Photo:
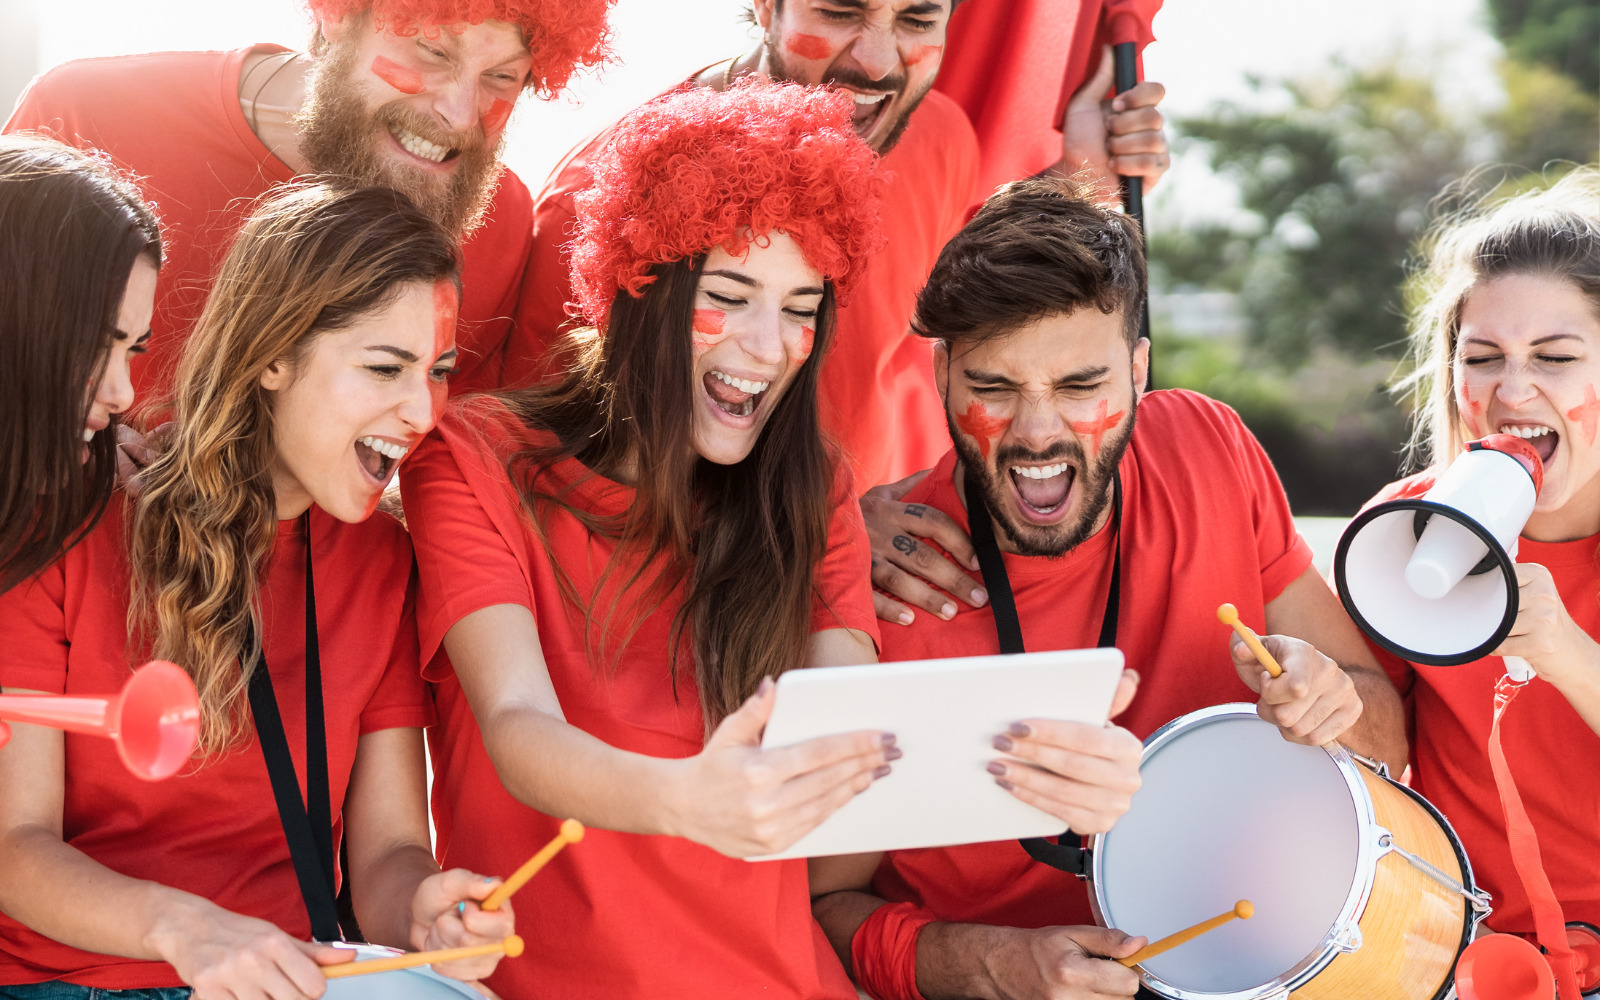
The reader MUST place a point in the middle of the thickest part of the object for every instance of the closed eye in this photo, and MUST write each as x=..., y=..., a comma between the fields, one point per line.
x=385, y=371
x=724, y=300
x=441, y=373
x=802, y=313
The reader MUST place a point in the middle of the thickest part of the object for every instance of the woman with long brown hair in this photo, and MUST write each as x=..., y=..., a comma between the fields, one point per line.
x=617, y=564
x=79, y=251
x=253, y=558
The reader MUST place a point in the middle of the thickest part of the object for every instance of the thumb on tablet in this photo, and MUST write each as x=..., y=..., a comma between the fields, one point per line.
x=743, y=727
x=1127, y=687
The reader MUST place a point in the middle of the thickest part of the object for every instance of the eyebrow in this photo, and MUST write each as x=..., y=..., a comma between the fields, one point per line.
x=1532, y=343
x=119, y=334
x=1078, y=377
x=749, y=282
x=926, y=7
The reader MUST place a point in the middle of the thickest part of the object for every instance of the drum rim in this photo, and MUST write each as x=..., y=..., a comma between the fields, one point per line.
x=1367, y=853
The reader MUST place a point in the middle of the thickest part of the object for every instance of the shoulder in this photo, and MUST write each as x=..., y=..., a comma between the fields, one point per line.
x=943, y=120
x=1185, y=437
x=512, y=201
x=90, y=78
x=1178, y=409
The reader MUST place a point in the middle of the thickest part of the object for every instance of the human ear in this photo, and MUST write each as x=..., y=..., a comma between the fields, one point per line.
x=276, y=377
x=763, y=11
x=334, y=30
x=1141, y=367
x=941, y=369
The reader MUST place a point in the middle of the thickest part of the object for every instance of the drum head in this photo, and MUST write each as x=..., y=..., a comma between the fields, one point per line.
x=1228, y=811
x=421, y=983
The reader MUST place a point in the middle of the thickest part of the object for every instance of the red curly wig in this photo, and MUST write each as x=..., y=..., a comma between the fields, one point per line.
x=698, y=169
x=561, y=34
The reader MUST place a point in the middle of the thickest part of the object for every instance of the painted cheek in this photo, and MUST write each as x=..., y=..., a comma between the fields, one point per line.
x=808, y=46
x=978, y=424
x=1096, y=428
x=1588, y=413
x=445, y=309
x=1471, y=411
x=808, y=336
x=495, y=118
x=708, y=324
x=401, y=78
x=922, y=53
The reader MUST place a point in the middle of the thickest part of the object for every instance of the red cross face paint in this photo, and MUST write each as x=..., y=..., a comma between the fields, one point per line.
x=922, y=53
x=808, y=46
x=1471, y=411
x=1588, y=413
x=977, y=423
x=402, y=78
x=708, y=324
x=1096, y=428
x=495, y=118
x=446, y=304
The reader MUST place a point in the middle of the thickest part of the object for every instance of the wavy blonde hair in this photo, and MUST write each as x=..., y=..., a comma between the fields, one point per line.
x=310, y=258
x=1552, y=232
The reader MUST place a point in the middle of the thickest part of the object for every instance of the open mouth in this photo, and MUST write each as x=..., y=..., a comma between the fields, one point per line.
x=736, y=397
x=869, y=110
x=379, y=458
x=1042, y=490
x=1543, y=439
x=421, y=148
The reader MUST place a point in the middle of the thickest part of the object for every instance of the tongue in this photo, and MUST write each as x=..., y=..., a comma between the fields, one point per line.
x=1043, y=494
x=724, y=393
x=370, y=460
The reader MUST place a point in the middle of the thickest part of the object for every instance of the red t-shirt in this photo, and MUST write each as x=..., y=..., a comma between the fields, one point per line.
x=1553, y=754
x=174, y=119
x=877, y=392
x=211, y=830
x=1204, y=521
x=619, y=914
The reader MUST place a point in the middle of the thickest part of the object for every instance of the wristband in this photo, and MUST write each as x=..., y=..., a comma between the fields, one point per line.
x=883, y=951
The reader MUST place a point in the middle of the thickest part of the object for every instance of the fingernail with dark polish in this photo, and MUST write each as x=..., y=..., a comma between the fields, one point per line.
x=1003, y=743
x=881, y=770
x=887, y=739
x=893, y=753
x=1003, y=783
x=996, y=768
x=1020, y=729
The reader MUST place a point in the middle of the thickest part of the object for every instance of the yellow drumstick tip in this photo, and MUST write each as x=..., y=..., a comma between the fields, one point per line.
x=1243, y=909
x=513, y=945
x=1228, y=614
x=571, y=831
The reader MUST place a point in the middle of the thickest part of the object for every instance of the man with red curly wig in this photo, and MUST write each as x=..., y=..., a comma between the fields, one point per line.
x=408, y=94
x=878, y=394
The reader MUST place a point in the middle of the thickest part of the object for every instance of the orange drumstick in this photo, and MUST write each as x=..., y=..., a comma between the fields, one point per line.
x=1242, y=909
x=1229, y=615
x=512, y=946
x=571, y=833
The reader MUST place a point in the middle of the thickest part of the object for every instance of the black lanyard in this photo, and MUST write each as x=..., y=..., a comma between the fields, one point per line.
x=307, y=826
x=1068, y=854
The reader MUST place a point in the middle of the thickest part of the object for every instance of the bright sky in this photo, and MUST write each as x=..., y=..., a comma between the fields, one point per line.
x=1205, y=50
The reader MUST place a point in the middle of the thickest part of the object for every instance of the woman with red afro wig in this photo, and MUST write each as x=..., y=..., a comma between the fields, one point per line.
x=560, y=34
x=619, y=562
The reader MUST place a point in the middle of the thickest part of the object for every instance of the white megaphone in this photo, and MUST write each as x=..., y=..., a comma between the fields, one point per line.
x=1433, y=579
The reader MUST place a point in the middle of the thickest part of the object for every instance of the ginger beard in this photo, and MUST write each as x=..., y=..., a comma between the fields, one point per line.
x=1086, y=484
x=340, y=134
x=865, y=117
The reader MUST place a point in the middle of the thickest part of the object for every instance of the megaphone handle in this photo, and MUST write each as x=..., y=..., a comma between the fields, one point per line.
x=1519, y=669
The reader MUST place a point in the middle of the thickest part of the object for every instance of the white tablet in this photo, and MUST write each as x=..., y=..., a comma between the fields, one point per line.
x=944, y=714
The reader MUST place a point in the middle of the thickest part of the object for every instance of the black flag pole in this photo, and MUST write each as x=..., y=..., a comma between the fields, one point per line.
x=1125, y=73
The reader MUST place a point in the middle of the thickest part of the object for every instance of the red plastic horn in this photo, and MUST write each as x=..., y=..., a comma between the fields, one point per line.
x=154, y=720
x=1584, y=940
x=1503, y=967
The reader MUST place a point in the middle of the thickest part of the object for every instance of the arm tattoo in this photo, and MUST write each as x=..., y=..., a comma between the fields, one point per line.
x=916, y=509
x=905, y=544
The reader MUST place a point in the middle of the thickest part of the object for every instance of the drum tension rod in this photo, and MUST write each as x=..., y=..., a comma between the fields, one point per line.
x=1480, y=900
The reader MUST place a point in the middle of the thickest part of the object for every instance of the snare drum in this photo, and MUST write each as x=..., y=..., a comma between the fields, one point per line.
x=1360, y=887
x=420, y=983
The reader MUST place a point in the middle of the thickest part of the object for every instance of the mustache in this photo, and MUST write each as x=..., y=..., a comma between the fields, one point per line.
x=467, y=141
x=1016, y=455
x=845, y=77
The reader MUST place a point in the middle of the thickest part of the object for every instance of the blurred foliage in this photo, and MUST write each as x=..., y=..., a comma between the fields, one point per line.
x=1563, y=35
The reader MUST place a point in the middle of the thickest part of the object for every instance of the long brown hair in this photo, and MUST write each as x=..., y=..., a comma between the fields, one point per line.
x=71, y=229
x=746, y=538
x=310, y=259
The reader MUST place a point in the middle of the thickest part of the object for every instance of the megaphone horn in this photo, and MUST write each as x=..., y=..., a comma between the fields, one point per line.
x=1433, y=579
x=1503, y=967
x=154, y=721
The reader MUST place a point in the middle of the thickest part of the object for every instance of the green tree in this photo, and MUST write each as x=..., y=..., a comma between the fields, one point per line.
x=1563, y=35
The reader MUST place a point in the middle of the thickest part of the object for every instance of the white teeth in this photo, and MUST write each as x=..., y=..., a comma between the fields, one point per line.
x=1041, y=471
x=385, y=449
x=868, y=98
x=743, y=385
x=88, y=434
x=1525, y=432
x=418, y=146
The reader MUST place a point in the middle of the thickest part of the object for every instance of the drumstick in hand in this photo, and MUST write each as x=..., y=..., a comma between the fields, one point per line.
x=511, y=946
x=1229, y=615
x=571, y=833
x=1242, y=909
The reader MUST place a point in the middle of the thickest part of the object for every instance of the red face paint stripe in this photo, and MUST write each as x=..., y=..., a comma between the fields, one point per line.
x=922, y=53
x=1474, y=410
x=495, y=118
x=446, y=305
x=808, y=337
x=977, y=424
x=808, y=46
x=707, y=327
x=1096, y=428
x=401, y=78
x=1588, y=412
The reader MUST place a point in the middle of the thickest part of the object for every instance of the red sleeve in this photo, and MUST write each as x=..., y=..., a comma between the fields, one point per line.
x=466, y=526
x=401, y=700
x=1282, y=554
x=883, y=952
x=547, y=286
x=843, y=582
x=33, y=111
x=33, y=656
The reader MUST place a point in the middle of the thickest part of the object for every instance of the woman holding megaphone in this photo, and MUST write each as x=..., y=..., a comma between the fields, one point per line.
x=254, y=558
x=1507, y=339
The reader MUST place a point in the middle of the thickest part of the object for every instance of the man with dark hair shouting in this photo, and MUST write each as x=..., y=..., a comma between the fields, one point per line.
x=1102, y=522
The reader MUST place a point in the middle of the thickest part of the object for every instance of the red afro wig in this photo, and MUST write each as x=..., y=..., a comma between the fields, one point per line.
x=698, y=169
x=561, y=34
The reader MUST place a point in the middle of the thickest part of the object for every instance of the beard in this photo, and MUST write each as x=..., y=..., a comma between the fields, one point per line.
x=850, y=78
x=340, y=135
x=1093, y=481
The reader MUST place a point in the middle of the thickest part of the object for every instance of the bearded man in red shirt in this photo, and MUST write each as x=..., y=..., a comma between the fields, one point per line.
x=408, y=94
x=877, y=392
x=1109, y=532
